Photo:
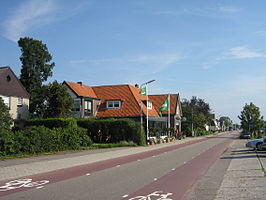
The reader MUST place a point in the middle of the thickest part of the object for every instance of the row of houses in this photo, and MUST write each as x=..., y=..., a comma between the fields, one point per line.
x=110, y=101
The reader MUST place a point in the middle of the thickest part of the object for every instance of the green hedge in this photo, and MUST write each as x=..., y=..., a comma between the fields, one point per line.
x=41, y=139
x=52, y=122
x=113, y=130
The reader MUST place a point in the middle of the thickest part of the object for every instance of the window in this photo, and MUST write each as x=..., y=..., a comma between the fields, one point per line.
x=113, y=104
x=87, y=107
x=6, y=101
x=149, y=105
x=76, y=105
x=20, y=102
x=8, y=78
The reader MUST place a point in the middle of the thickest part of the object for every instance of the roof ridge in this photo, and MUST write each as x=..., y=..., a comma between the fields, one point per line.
x=5, y=67
x=112, y=85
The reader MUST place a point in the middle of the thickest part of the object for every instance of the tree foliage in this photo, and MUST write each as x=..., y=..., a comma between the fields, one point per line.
x=58, y=101
x=35, y=70
x=251, y=119
x=5, y=118
x=225, y=121
x=197, y=112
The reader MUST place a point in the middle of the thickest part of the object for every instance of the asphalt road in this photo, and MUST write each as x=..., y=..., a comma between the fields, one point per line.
x=168, y=173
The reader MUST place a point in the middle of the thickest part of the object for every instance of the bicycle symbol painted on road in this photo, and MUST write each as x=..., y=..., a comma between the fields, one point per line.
x=26, y=183
x=157, y=195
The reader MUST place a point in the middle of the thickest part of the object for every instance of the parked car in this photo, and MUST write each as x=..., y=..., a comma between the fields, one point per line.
x=258, y=144
x=245, y=135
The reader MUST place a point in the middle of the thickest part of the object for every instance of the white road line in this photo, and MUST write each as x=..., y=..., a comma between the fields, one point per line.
x=125, y=196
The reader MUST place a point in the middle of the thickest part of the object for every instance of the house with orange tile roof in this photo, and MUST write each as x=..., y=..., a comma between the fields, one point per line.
x=86, y=103
x=121, y=101
x=175, y=108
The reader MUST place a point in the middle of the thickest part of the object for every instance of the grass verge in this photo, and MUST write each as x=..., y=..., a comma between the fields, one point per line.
x=93, y=146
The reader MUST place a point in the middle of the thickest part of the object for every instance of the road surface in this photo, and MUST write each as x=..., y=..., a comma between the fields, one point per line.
x=166, y=173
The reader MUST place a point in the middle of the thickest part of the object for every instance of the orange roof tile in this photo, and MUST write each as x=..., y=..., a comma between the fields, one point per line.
x=81, y=90
x=157, y=101
x=130, y=97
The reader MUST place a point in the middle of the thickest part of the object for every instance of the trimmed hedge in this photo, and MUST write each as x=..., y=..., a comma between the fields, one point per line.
x=41, y=139
x=52, y=122
x=113, y=130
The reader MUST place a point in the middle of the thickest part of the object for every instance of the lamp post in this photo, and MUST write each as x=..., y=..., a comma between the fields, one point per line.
x=147, y=111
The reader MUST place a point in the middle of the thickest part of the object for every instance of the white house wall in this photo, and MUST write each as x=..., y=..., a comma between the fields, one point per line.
x=18, y=112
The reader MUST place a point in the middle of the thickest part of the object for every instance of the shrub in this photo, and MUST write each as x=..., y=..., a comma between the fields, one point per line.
x=6, y=142
x=39, y=139
x=113, y=130
x=5, y=118
x=53, y=122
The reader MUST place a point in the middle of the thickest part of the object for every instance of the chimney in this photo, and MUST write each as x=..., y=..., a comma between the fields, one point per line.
x=80, y=83
x=136, y=85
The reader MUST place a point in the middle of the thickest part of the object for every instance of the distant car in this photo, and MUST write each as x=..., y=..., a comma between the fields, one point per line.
x=258, y=144
x=245, y=135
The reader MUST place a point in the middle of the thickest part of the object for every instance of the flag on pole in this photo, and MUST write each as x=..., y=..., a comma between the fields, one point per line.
x=143, y=91
x=165, y=106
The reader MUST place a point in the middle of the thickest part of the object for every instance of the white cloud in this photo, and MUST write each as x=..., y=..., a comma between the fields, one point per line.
x=37, y=13
x=229, y=9
x=166, y=12
x=26, y=16
x=206, y=67
x=153, y=63
x=158, y=59
x=243, y=52
x=229, y=99
x=261, y=33
x=249, y=85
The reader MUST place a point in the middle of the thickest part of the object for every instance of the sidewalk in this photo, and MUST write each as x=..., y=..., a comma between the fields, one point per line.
x=17, y=168
x=245, y=177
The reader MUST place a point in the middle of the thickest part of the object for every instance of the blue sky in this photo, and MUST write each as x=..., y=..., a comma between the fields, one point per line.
x=212, y=49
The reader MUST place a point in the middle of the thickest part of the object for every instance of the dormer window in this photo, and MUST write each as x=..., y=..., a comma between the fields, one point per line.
x=113, y=104
x=149, y=105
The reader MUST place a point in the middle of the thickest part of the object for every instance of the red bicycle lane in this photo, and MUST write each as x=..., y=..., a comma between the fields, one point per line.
x=176, y=183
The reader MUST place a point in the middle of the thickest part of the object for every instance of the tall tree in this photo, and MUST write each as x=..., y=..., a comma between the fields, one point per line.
x=251, y=119
x=36, y=68
x=5, y=118
x=197, y=114
x=59, y=102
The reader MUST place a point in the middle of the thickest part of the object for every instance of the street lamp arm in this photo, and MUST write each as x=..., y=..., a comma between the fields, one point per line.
x=146, y=83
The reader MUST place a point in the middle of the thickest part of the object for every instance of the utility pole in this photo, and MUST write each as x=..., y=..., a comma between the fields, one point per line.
x=192, y=128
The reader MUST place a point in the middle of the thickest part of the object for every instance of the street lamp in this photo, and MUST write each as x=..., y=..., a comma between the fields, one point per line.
x=147, y=115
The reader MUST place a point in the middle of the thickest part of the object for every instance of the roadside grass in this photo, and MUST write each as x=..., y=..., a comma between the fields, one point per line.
x=93, y=146
x=258, y=136
x=112, y=145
